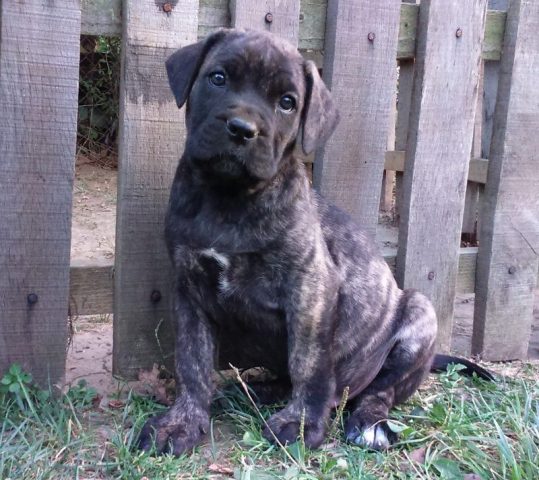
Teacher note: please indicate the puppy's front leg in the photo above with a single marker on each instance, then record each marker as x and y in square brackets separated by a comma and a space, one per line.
[311, 366]
[182, 426]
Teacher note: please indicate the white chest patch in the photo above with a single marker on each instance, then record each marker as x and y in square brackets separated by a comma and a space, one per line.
[220, 258]
[224, 262]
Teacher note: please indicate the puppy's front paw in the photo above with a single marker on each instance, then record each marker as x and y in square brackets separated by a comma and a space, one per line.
[174, 431]
[285, 426]
[376, 436]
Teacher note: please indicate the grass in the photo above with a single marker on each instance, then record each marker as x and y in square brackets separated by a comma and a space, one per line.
[453, 428]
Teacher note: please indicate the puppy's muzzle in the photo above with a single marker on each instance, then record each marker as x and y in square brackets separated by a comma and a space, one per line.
[241, 130]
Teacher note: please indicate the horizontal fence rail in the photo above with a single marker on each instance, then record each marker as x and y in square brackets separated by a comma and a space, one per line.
[103, 17]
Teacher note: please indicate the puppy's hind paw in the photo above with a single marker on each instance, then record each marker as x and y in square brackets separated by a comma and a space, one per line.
[373, 437]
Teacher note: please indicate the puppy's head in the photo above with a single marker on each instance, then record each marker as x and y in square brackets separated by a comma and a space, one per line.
[249, 95]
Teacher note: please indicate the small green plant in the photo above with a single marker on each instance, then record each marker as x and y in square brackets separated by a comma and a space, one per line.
[81, 395]
[17, 384]
[15, 379]
[99, 82]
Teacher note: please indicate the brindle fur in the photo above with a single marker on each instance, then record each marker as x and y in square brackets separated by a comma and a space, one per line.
[267, 272]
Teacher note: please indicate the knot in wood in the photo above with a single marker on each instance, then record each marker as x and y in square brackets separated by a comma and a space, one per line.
[458, 33]
[167, 7]
[431, 275]
[512, 269]
[371, 36]
[269, 17]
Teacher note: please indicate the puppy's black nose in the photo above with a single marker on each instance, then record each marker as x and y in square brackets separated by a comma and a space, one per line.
[241, 129]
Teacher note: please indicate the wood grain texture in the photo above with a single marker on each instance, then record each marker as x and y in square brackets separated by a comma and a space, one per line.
[404, 104]
[476, 173]
[490, 92]
[102, 17]
[474, 191]
[90, 288]
[152, 135]
[438, 151]
[212, 14]
[361, 74]
[508, 258]
[91, 285]
[387, 200]
[39, 73]
[284, 17]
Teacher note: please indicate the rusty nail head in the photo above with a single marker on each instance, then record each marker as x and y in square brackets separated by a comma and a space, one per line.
[32, 298]
[431, 275]
[167, 7]
[269, 17]
[155, 296]
[458, 33]
[371, 36]
[512, 270]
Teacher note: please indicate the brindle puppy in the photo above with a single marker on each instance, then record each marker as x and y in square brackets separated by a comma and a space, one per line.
[267, 272]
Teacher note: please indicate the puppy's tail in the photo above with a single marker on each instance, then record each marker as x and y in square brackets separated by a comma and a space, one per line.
[441, 362]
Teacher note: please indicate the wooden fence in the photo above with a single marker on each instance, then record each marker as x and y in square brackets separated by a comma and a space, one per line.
[467, 116]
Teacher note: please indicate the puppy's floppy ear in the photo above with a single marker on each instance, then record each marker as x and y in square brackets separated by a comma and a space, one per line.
[184, 64]
[320, 116]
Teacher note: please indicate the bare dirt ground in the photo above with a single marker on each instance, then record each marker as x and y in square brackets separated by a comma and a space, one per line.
[94, 212]
[93, 233]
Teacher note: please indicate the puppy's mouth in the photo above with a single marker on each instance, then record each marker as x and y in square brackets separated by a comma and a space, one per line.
[225, 166]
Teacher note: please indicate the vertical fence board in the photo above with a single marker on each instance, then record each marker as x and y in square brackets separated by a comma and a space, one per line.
[388, 180]
[508, 257]
[360, 69]
[284, 16]
[151, 141]
[474, 190]
[39, 65]
[438, 151]
[404, 104]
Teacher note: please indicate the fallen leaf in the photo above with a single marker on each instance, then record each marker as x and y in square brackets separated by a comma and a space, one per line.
[415, 456]
[160, 388]
[223, 469]
[116, 404]
[418, 455]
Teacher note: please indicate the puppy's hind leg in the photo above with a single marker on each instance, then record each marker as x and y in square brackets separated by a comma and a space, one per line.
[401, 374]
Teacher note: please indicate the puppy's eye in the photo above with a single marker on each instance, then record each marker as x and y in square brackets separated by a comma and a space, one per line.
[217, 78]
[287, 103]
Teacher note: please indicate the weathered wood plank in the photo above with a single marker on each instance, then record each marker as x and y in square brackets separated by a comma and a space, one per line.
[103, 17]
[280, 17]
[387, 200]
[478, 170]
[476, 173]
[407, 30]
[39, 72]
[474, 190]
[508, 258]
[404, 103]
[360, 70]
[91, 285]
[438, 151]
[492, 45]
[151, 141]
[212, 14]
[490, 92]
[90, 288]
